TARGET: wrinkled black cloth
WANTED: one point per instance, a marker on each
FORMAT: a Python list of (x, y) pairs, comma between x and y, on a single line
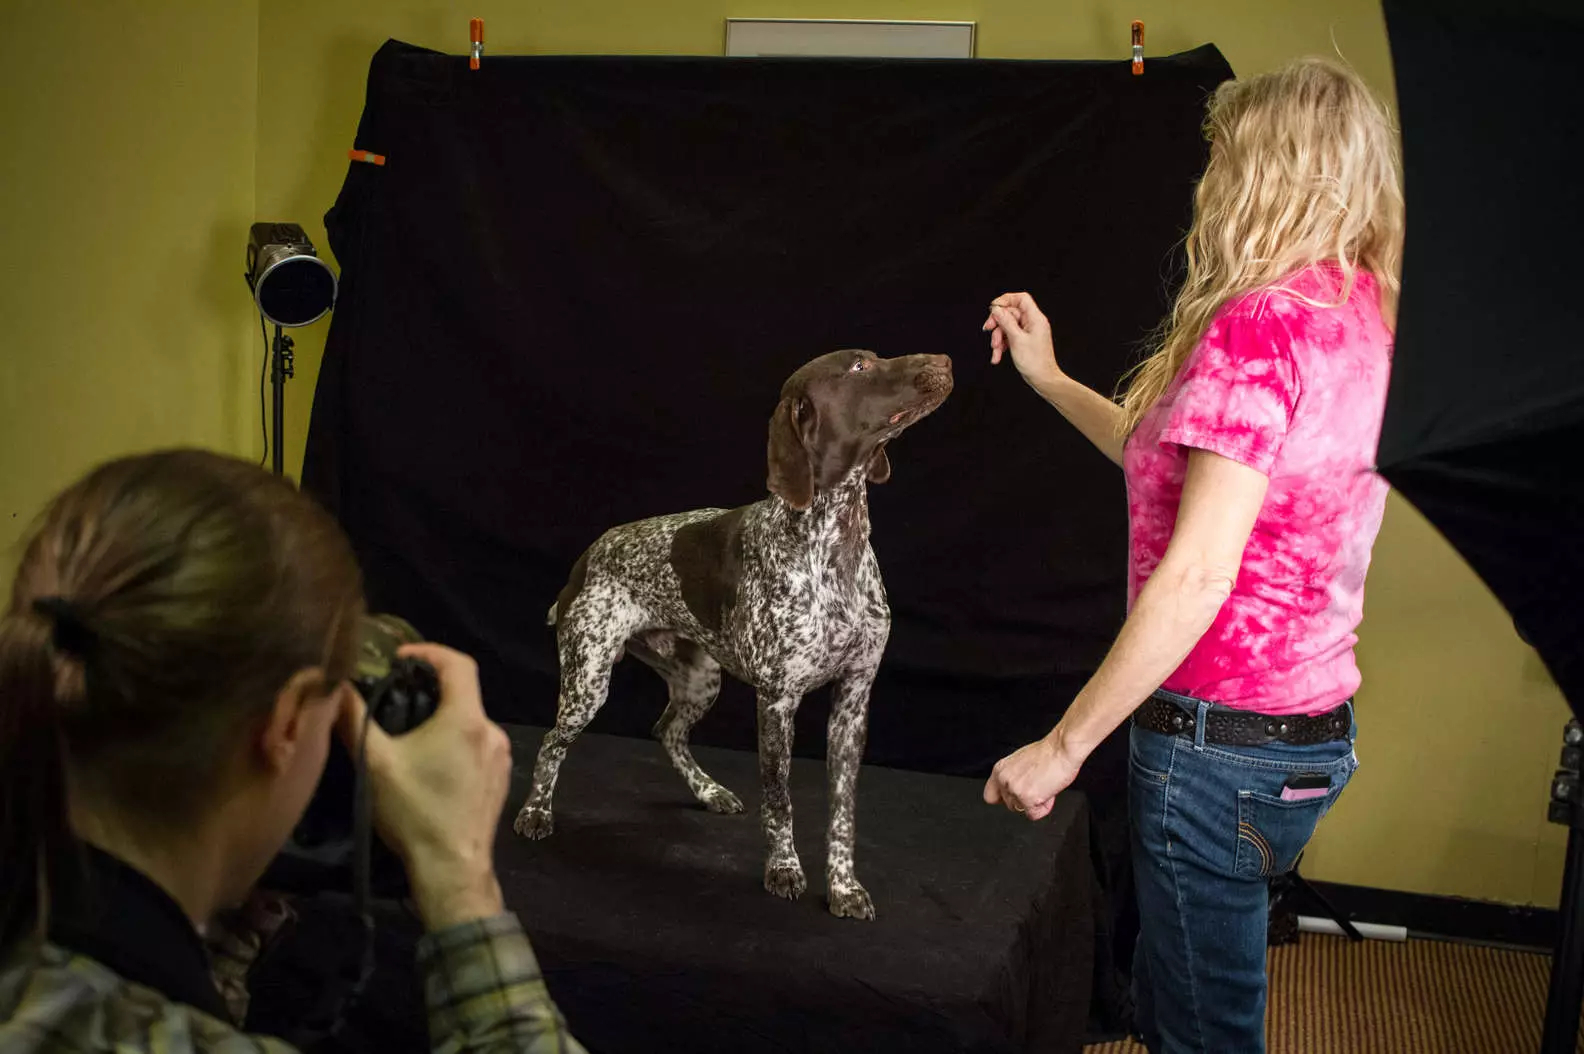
[(645, 908)]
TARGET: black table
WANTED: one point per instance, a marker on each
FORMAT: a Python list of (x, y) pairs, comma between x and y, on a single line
[(654, 930)]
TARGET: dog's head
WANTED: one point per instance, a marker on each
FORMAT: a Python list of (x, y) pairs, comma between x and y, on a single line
[(838, 412)]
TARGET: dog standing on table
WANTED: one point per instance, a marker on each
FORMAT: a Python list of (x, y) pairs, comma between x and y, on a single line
[(784, 594)]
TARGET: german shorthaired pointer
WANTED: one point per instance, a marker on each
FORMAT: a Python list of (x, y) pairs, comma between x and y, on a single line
[(784, 594)]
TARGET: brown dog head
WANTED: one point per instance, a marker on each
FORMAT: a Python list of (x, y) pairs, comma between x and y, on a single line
[(839, 411)]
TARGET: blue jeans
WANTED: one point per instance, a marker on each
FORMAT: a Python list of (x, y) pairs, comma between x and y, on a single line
[(1210, 828)]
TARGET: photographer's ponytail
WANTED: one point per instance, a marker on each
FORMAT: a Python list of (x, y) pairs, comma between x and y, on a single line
[(159, 606), (33, 820)]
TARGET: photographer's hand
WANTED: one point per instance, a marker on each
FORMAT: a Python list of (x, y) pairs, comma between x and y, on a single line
[(439, 791)]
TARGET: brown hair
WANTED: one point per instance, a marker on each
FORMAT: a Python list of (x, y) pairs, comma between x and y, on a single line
[(160, 605)]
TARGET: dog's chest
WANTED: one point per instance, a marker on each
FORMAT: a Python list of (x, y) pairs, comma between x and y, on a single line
[(803, 617)]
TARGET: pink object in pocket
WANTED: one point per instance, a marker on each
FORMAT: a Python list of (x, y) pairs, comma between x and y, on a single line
[(1291, 794)]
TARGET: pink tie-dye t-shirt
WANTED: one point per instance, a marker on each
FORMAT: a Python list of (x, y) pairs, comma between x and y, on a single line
[(1295, 391)]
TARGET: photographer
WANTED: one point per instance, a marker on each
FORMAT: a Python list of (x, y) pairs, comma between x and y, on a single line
[(173, 662)]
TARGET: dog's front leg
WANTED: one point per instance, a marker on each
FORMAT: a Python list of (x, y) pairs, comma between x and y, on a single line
[(845, 738), (783, 873)]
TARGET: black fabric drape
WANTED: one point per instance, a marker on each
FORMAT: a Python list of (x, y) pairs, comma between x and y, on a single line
[(1484, 427), (570, 296)]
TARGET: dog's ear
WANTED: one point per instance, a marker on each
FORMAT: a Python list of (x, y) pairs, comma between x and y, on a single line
[(791, 471), (879, 465)]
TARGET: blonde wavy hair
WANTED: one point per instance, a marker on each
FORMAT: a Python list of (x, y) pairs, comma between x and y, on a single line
[(1304, 167)]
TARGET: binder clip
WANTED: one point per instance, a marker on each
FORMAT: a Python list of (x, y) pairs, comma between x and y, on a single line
[(476, 32), (1138, 48)]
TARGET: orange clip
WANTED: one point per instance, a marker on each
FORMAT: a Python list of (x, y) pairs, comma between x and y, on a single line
[(366, 155), (476, 29), (1138, 47)]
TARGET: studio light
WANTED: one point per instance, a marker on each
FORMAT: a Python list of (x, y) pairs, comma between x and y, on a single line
[(292, 287), (290, 284)]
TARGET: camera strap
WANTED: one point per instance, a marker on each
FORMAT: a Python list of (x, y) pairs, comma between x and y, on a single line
[(362, 843)]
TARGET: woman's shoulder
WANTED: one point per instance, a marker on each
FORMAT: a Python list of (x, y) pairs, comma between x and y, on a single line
[(53, 1001), (1318, 306)]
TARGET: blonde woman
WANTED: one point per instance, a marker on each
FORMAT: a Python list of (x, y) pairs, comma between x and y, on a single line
[(1247, 441)]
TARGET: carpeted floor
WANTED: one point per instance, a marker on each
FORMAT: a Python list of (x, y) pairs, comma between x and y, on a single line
[(1330, 995)]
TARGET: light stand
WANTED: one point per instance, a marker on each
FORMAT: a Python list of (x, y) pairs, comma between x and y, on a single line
[(292, 287), (1566, 998), (280, 373)]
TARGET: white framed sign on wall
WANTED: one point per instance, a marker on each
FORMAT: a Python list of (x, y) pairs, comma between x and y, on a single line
[(856, 38)]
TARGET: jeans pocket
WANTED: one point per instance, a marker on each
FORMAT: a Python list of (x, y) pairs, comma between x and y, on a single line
[(1272, 832), (1149, 758)]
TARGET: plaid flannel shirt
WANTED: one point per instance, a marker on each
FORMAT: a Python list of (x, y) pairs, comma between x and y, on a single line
[(481, 982)]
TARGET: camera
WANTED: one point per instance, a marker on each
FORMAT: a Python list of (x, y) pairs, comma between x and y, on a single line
[(401, 693)]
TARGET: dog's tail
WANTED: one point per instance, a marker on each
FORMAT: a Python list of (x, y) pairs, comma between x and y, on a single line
[(553, 614)]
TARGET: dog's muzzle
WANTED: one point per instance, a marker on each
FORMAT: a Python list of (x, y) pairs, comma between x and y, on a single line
[(933, 381)]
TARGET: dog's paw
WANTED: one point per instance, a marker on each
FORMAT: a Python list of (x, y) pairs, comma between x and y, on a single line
[(785, 879), (851, 902), (719, 799), (534, 823)]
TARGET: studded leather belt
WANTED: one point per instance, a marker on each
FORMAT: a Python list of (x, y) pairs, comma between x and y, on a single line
[(1242, 728)]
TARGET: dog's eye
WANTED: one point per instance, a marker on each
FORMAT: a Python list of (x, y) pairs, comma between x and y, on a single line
[(858, 366)]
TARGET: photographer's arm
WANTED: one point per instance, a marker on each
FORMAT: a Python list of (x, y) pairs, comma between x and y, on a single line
[(438, 795), (484, 991)]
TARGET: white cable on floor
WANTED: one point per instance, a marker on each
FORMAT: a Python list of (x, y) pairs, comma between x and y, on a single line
[(1370, 930)]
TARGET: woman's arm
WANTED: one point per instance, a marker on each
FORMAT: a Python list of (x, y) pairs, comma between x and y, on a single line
[(1016, 324), (1220, 501), (1094, 415)]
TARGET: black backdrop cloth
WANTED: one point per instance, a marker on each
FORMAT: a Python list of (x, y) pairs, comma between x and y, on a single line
[(570, 297), (1484, 427)]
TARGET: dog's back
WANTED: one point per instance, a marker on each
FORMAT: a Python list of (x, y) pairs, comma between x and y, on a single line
[(632, 563)]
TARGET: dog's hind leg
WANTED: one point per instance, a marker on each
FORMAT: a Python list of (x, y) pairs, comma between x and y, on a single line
[(694, 678), (588, 651)]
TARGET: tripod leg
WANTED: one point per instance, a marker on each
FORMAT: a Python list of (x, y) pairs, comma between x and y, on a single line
[(1301, 883)]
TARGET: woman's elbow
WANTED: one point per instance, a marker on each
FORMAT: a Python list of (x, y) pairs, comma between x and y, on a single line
[(1202, 588)]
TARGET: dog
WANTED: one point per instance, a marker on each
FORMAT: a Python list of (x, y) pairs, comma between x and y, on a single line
[(784, 594)]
